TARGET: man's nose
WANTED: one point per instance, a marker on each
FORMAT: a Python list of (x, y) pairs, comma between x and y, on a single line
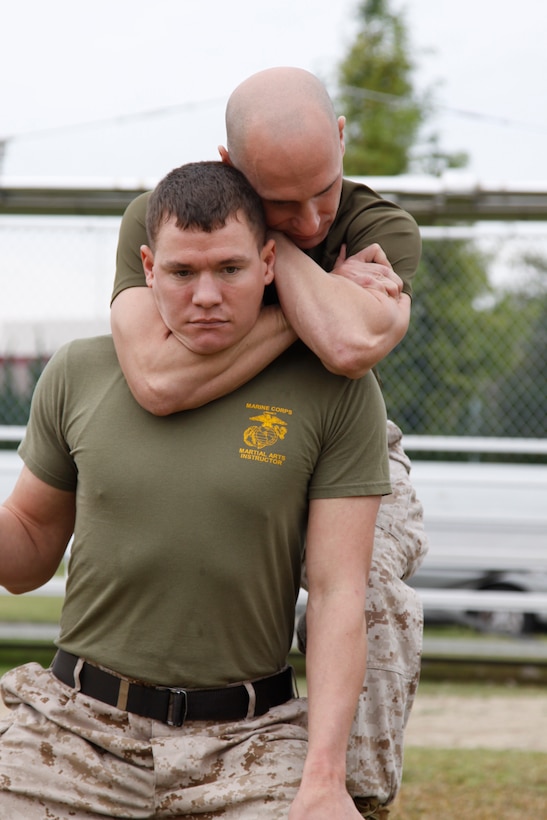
[(206, 290), (308, 220)]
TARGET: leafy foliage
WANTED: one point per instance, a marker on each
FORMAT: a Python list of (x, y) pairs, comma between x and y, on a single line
[(385, 114)]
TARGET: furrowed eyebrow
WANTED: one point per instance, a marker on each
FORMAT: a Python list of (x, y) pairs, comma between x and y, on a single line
[(313, 196), (175, 265), (234, 260)]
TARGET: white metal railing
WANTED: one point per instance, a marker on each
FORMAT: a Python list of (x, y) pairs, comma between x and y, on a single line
[(11, 432), (475, 444), (478, 600)]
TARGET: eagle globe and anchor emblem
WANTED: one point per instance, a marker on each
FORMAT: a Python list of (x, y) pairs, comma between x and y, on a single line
[(270, 430)]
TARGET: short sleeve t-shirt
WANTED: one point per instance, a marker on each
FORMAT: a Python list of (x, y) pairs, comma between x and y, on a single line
[(185, 563)]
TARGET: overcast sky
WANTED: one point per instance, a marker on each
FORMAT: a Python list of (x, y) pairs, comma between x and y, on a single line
[(94, 65)]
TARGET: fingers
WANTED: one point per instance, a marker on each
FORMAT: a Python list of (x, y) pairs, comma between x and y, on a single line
[(341, 256), (372, 253), (369, 268), (371, 275)]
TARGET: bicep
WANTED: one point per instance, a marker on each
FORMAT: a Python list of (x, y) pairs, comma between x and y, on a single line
[(36, 523), (134, 318), (339, 540), (46, 513), (129, 270)]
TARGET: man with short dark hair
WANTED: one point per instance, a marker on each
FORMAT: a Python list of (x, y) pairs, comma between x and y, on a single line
[(170, 694)]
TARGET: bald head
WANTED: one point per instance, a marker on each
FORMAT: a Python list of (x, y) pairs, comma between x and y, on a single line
[(279, 105), (284, 136)]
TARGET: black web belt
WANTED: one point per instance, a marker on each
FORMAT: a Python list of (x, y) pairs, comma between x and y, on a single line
[(174, 705)]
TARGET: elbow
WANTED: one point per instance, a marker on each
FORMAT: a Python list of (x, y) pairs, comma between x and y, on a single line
[(353, 360), (21, 587), (14, 589), (154, 396)]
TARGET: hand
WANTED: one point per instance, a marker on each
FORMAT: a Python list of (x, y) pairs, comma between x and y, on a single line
[(323, 804), (369, 268)]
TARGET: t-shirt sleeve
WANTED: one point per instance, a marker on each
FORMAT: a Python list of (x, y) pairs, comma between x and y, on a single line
[(365, 218), (354, 457), (395, 231), (44, 449), (129, 270)]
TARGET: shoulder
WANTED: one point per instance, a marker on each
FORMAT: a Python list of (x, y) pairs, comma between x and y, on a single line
[(129, 272), (136, 210), (88, 346), (357, 193), (79, 355), (364, 217), (358, 200)]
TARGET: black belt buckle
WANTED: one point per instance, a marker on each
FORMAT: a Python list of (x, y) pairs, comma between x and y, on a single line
[(177, 707)]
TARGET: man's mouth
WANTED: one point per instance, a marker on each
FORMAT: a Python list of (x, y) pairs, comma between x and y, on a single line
[(208, 322)]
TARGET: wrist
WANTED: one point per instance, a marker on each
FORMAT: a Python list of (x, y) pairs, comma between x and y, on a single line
[(321, 772)]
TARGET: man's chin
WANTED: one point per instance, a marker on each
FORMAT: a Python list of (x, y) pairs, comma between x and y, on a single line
[(305, 243), (208, 349), (210, 343)]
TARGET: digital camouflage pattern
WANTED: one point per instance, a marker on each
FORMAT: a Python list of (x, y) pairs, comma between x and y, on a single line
[(64, 756)]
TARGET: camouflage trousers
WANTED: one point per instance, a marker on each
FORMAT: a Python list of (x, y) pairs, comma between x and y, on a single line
[(64, 756), (395, 630)]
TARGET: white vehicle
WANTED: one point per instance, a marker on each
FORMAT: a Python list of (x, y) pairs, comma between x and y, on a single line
[(487, 528)]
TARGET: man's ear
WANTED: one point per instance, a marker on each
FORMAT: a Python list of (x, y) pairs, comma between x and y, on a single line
[(341, 126), (147, 258), (224, 155), (268, 257)]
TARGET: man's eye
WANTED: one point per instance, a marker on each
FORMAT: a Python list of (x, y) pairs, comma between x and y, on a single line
[(231, 269), (182, 274)]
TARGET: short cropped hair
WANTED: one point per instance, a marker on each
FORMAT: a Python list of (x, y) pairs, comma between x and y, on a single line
[(204, 196)]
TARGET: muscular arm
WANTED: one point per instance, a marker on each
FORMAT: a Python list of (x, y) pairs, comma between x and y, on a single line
[(338, 553), (348, 324), (351, 318), (36, 523), (165, 377)]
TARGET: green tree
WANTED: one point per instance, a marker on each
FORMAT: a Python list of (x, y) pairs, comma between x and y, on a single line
[(385, 114)]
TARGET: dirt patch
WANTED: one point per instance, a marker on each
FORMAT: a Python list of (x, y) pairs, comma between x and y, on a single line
[(517, 721)]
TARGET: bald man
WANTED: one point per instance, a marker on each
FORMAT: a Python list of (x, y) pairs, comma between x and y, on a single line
[(343, 273)]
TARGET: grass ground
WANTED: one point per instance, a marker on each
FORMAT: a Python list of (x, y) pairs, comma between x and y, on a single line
[(34, 609), (478, 784)]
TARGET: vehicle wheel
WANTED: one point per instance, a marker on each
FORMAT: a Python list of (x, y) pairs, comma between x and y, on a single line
[(506, 623)]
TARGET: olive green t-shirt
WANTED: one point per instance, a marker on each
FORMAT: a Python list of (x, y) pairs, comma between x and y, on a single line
[(185, 563), (363, 218)]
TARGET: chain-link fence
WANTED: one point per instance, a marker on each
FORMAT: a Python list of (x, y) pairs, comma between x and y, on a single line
[(474, 361)]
